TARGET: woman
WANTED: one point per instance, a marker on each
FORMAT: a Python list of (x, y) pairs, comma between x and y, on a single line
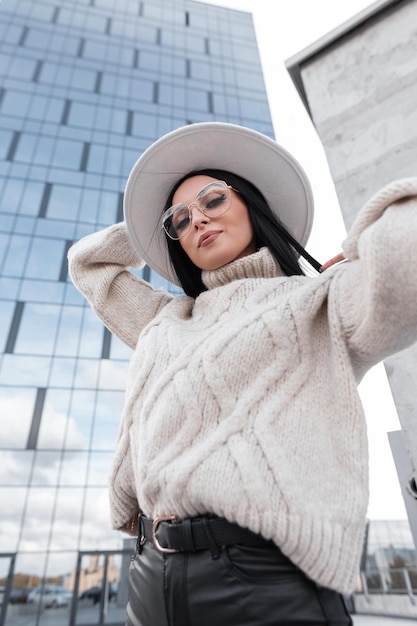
[(241, 462)]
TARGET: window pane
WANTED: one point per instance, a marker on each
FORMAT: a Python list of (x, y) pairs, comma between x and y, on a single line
[(54, 108), (119, 350), (74, 466), (89, 205), (15, 467), (5, 139), (67, 44), (82, 114), (37, 38), (63, 75), (113, 161), (96, 159), (62, 372), (46, 468), (94, 50), (67, 517), (68, 153), (109, 405), (32, 148), (16, 407), (97, 515), (197, 100), (15, 103), (70, 325), (12, 190), (38, 328), (11, 34), (108, 207), (13, 501), (9, 287), (16, 255), (86, 373), (82, 409), (113, 374), (149, 60), (25, 370), (48, 72), (31, 199), (83, 79), (6, 314), (39, 512), (41, 291), (64, 202), (106, 118), (108, 83), (99, 468), (54, 228), (122, 86), (58, 429), (145, 125), (22, 68), (45, 265)]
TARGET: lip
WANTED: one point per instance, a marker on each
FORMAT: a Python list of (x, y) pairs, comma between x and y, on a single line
[(208, 237)]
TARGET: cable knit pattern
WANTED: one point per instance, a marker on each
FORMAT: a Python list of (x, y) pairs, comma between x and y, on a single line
[(243, 401)]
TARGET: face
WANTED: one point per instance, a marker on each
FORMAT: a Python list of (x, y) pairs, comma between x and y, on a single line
[(215, 241)]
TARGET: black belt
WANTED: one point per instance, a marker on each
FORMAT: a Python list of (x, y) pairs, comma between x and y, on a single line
[(168, 534)]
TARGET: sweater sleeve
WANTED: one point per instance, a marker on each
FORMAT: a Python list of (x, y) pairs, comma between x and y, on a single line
[(376, 291), (98, 266)]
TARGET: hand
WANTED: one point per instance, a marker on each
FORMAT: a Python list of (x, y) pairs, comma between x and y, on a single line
[(339, 258)]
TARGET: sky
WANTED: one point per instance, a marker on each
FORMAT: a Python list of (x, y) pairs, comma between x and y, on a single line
[(284, 28)]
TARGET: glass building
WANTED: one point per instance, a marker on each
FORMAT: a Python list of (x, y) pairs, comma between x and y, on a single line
[(85, 87), (389, 561)]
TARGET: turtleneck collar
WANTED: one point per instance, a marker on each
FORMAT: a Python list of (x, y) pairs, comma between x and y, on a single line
[(261, 264)]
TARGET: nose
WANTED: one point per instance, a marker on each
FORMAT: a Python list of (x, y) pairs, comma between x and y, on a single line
[(198, 217)]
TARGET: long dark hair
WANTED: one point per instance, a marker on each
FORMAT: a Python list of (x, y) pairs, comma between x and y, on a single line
[(268, 231)]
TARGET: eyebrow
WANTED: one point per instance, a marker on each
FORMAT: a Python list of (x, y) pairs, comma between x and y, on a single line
[(215, 180)]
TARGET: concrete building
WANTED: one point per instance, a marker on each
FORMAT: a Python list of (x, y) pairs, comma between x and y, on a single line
[(85, 87), (359, 85)]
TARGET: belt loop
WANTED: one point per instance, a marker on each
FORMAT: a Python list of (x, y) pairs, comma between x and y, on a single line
[(187, 535), (213, 547), (141, 537)]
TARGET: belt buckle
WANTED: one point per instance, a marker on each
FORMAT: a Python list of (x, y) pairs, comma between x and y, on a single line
[(155, 524)]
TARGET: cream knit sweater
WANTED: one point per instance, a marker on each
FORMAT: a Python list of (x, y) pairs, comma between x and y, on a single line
[(243, 401)]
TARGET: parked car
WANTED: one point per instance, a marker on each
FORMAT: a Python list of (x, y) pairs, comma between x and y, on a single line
[(94, 593), (50, 596), (20, 595)]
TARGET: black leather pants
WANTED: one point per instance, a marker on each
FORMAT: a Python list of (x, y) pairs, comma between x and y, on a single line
[(244, 586)]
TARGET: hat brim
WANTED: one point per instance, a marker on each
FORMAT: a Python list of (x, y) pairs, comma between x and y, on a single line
[(219, 145)]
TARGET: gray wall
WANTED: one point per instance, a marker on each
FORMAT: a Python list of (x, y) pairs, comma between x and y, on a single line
[(362, 94)]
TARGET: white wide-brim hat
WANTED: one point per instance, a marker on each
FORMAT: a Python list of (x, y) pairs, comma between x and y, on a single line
[(219, 145)]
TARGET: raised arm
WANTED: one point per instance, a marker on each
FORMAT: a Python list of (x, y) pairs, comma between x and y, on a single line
[(98, 266), (376, 291)]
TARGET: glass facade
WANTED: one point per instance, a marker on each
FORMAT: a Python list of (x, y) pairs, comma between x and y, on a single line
[(85, 87), (389, 562)]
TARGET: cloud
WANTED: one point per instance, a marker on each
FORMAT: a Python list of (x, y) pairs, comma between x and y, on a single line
[(16, 411)]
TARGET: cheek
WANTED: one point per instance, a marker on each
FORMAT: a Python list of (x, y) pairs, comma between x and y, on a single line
[(245, 224), (185, 245)]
